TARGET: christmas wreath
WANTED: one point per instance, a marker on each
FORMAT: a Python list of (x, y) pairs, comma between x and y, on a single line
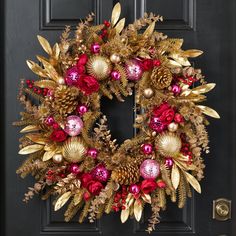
[(70, 150)]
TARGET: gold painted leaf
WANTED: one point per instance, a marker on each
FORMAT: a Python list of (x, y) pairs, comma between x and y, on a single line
[(37, 138), (192, 53), (147, 198), (173, 64), (183, 165), (36, 68), (30, 128), (61, 201), (56, 51), (48, 155), (179, 59), (46, 84), (115, 13), (138, 209), (30, 149), (203, 88), (78, 197), (124, 215), (120, 25), (209, 111), (193, 181), (175, 176), (186, 92), (45, 45), (148, 32)]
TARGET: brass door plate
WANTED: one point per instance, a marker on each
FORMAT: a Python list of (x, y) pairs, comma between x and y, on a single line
[(221, 209)]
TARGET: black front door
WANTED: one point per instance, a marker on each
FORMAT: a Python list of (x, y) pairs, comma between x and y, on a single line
[(208, 25)]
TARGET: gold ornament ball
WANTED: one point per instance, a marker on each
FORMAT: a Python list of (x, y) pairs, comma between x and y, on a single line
[(169, 144), (61, 81), (57, 158), (172, 127), (148, 93), (74, 150), (115, 58)]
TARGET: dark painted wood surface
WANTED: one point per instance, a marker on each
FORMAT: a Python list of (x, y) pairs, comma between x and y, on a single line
[(204, 24)]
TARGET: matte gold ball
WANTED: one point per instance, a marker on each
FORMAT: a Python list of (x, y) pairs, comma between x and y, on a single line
[(148, 93), (115, 58), (172, 127), (61, 81), (57, 158)]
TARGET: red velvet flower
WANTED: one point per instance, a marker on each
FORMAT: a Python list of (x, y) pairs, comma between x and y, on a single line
[(167, 116), (82, 60), (88, 84), (94, 187), (157, 111), (85, 179), (178, 118), (148, 185), (81, 69), (58, 136), (147, 64)]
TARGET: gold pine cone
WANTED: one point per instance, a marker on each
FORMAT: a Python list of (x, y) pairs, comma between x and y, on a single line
[(99, 67), (161, 77), (74, 149), (66, 99), (169, 144), (126, 174)]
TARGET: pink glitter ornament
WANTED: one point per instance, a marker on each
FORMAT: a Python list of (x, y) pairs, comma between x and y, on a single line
[(100, 173), (149, 169), (49, 121), (156, 125), (134, 70), (73, 125), (115, 75), (81, 109), (134, 188), (147, 148), (95, 48), (93, 152), (169, 162), (74, 168), (72, 76), (176, 89)]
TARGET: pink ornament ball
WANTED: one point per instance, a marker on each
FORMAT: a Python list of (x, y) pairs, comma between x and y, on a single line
[(95, 48), (74, 169), (176, 89), (82, 109), (134, 188), (147, 148), (169, 162), (93, 152), (156, 125), (134, 70), (49, 121), (149, 169), (73, 125), (100, 173), (72, 76), (115, 75)]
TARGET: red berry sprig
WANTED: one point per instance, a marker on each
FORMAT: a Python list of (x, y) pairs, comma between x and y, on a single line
[(35, 89), (120, 199)]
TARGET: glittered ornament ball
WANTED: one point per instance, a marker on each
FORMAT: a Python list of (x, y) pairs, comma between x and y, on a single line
[(149, 169), (100, 173), (72, 76), (156, 125), (134, 70), (73, 125)]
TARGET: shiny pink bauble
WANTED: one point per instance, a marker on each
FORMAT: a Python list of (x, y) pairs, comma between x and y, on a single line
[(93, 152), (73, 125), (49, 121), (115, 75), (72, 76), (149, 169), (176, 89), (134, 70), (95, 48), (169, 162), (147, 148), (134, 188), (100, 173), (74, 168), (156, 125), (81, 109)]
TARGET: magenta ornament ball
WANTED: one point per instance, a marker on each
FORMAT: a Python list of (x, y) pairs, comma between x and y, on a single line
[(49, 121), (176, 89), (134, 70), (95, 48), (156, 125), (72, 76), (147, 148), (115, 75), (81, 109), (100, 173), (92, 152), (169, 162), (134, 188), (74, 168), (73, 125), (149, 169)]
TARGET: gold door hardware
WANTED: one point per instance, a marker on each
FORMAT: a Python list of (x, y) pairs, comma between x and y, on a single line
[(222, 209)]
